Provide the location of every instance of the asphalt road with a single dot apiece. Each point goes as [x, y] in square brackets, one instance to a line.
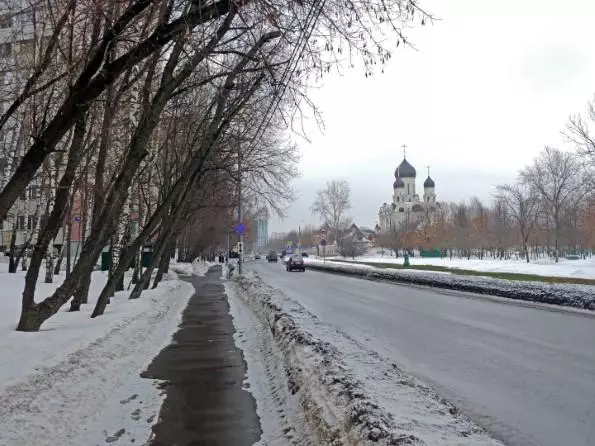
[526, 374]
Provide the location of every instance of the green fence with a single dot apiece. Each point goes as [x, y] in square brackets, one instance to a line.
[431, 253]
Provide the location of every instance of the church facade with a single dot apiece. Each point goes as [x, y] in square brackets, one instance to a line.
[407, 205]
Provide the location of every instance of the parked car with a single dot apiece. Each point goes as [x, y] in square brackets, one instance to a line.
[257, 257]
[304, 254]
[272, 256]
[295, 262]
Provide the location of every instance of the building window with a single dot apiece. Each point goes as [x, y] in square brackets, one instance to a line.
[27, 51]
[5, 21]
[5, 49]
[21, 222]
[31, 220]
[408, 191]
[23, 197]
[33, 192]
[28, 17]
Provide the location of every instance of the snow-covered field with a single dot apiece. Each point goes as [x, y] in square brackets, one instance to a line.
[584, 269]
[77, 381]
[570, 295]
[346, 393]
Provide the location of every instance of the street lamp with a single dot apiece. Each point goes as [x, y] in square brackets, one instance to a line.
[299, 247]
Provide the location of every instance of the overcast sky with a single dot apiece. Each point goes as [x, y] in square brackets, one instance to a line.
[490, 84]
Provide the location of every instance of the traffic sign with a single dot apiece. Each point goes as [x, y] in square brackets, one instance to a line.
[323, 242]
[77, 218]
[240, 228]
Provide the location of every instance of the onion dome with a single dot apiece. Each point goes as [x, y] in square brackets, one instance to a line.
[429, 182]
[405, 170]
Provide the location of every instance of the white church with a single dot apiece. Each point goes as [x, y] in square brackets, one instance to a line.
[407, 206]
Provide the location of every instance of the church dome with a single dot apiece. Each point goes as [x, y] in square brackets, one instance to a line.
[429, 182]
[398, 183]
[405, 170]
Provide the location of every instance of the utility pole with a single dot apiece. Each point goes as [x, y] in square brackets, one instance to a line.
[240, 251]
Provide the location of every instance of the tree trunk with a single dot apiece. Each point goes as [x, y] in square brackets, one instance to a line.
[29, 310]
[81, 293]
[163, 267]
[144, 281]
[60, 258]
[119, 242]
[69, 237]
[49, 265]
[12, 264]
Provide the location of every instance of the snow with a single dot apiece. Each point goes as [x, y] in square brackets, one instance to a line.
[78, 380]
[276, 407]
[582, 268]
[347, 393]
[570, 295]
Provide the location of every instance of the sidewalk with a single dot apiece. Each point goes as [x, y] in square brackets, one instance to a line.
[205, 403]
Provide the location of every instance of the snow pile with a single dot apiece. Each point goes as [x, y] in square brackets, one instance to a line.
[350, 395]
[196, 268]
[281, 418]
[578, 296]
[78, 381]
[581, 268]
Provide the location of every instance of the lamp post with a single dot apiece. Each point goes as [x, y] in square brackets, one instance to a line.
[241, 244]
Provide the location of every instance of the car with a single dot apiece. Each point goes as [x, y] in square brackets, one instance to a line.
[272, 256]
[257, 257]
[295, 262]
[304, 254]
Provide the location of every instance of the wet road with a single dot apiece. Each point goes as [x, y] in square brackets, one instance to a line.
[526, 374]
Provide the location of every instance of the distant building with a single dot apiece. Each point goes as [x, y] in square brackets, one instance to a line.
[261, 226]
[360, 236]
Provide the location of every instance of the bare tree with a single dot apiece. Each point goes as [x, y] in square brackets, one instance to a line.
[579, 132]
[461, 228]
[331, 204]
[560, 181]
[480, 224]
[502, 225]
[522, 202]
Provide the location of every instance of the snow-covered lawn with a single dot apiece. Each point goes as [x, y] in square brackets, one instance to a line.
[346, 393]
[584, 269]
[78, 380]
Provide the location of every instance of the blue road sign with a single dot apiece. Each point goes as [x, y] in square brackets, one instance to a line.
[240, 228]
[77, 218]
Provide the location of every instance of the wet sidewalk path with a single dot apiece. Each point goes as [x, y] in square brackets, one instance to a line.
[205, 403]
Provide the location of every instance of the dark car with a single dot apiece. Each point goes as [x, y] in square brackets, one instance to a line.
[304, 254]
[257, 257]
[295, 262]
[272, 256]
